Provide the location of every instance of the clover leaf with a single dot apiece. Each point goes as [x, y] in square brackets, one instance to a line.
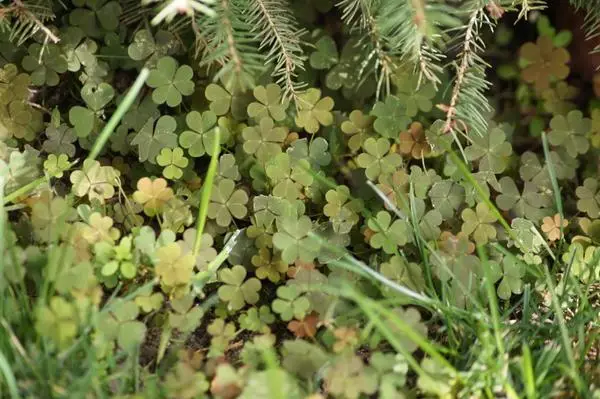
[341, 209]
[170, 82]
[446, 196]
[359, 127]
[269, 265]
[173, 267]
[101, 16]
[349, 378]
[94, 181]
[269, 105]
[288, 180]
[264, 140]
[237, 290]
[45, 64]
[512, 273]
[589, 198]
[403, 272]
[293, 240]
[491, 149]
[256, 319]
[290, 303]
[173, 161]
[149, 48]
[199, 139]
[414, 95]
[378, 160]
[429, 221]
[570, 132]
[222, 100]
[85, 120]
[228, 169]
[57, 165]
[479, 223]
[529, 204]
[152, 194]
[227, 202]
[325, 55]
[154, 136]
[391, 117]
[388, 235]
[313, 110]
[99, 229]
[60, 140]
[58, 321]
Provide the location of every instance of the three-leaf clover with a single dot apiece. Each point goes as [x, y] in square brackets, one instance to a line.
[293, 239]
[60, 140]
[491, 149]
[479, 223]
[174, 267]
[530, 203]
[313, 110]
[414, 95]
[222, 100]
[413, 141]
[589, 198]
[146, 47]
[269, 265]
[391, 117]
[325, 55]
[264, 140]
[170, 82]
[199, 139]
[315, 152]
[236, 290]
[512, 272]
[173, 161]
[152, 194]
[288, 180]
[95, 181]
[377, 160]
[226, 201]
[56, 165]
[446, 196]
[101, 16]
[290, 303]
[570, 132]
[87, 119]
[341, 209]
[359, 127]
[153, 137]
[269, 105]
[388, 235]
[45, 64]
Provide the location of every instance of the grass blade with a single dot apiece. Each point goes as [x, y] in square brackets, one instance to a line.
[9, 377]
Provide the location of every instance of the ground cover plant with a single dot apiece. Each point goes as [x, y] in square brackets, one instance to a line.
[299, 199]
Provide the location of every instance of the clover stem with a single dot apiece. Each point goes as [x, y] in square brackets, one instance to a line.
[206, 191]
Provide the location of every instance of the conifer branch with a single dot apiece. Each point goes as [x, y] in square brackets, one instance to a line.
[468, 103]
[592, 18]
[279, 34]
[30, 18]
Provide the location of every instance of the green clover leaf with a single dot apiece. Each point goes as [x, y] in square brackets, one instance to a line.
[446, 196]
[222, 100]
[101, 16]
[315, 152]
[388, 235]
[58, 321]
[57, 165]
[589, 198]
[86, 120]
[269, 265]
[490, 149]
[378, 160]
[226, 202]
[348, 377]
[570, 132]
[173, 160]
[228, 169]
[293, 240]
[290, 303]
[415, 96]
[264, 140]
[342, 210]
[148, 48]
[170, 82]
[60, 140]
[152, 138]
[359, 127]
[406, 273]
[269, 105]
[314, 110]
[45, 64]
[512, 273]
[237, 291]
[529, 204]
[256, 319]
[479, 223]
[288, 180]
[391, 117]
[173, 267]
[325, 55]
[199, 139]
[94, 181]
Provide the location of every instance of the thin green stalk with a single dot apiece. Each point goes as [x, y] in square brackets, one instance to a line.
[493, 301]
[553, 180]
[566, 342]
[528, 374]
[2, 233]
[10, 198]
[119, 113]
[206, 191]
[9, 377]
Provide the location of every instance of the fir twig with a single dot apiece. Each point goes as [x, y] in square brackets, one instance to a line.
[279, 34]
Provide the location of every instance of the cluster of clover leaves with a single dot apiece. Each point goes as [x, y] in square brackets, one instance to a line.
[291, 175]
